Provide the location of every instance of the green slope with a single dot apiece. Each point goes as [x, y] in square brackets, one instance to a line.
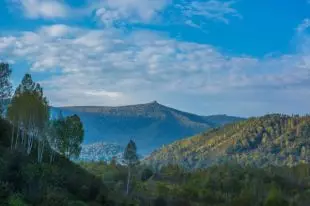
[271, 139]
[24, 182]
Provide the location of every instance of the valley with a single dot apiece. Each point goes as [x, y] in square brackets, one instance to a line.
[150, 125]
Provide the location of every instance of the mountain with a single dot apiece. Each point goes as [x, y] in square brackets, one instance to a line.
[150, 125]
[269, 140]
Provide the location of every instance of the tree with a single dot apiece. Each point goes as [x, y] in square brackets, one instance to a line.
[131, 159]
[275, 198]
[29, 113]
[70, 134]
[53, 137]
[76, 136]
[5, 85]
[146, 174]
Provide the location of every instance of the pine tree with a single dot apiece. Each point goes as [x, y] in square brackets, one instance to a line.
[131, 159]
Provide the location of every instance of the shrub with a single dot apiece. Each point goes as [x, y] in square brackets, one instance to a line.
[16, 200]
[5, 190]
[146, 174]
[55, 198]
[77, 203]
[160, 201]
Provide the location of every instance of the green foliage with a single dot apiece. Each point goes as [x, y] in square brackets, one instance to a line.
[69, 133]
[217, 185]
[76, 203]
[160, 201]
[130, 153]
[272, 139]
[131, 159]
[275, 198]
[146, 174]
[29, 113]
[44, 184]
[16, 200]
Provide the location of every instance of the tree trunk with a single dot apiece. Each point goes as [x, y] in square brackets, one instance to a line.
[17, 135]
[12, 138]
[51, 157]
[128, 180]
[30, 142]
[42, 151]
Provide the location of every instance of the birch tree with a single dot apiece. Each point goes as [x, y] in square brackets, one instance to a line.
[29, 111]
[53, 140]
[5, 85]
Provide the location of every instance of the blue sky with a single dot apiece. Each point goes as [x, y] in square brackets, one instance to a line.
[214, 56]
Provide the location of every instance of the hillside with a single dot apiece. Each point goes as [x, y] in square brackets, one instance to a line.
[151, 125]
[23, 181]
[219, 185]
[271, 139]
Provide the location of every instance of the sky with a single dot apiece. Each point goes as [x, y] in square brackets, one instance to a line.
[235, 57]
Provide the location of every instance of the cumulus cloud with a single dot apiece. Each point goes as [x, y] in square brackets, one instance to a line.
[50, 9]
[112, 12]
[205, 10]
[58, 30]
[43, 8]
[120, 12]
[110, 67]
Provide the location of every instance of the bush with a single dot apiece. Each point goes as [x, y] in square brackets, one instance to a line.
[5, 190]
[55, 198]
[16, 200]
[275, 198]
[146, 174]
[77, 203]
[160, 201]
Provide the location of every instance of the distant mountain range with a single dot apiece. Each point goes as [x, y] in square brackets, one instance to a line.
[150, 125]
[269, 140]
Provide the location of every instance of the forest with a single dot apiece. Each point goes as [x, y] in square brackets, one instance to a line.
[36, 166]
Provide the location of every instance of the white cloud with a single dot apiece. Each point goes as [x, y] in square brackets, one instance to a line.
[303, 26]
[111, 67]
[57, 30]
[6, 42]
[43, 8]
[196, 13]
[104, 93]
[122, 12]
[51, 9]
[112, 12]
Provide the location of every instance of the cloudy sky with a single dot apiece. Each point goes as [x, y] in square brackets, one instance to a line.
[239, 57]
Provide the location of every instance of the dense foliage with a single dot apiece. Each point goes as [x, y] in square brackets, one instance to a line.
[25, 182]
[218, 185]
[272, 139]
[32, 170]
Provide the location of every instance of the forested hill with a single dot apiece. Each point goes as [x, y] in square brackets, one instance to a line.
[271, 139]
[151, 125]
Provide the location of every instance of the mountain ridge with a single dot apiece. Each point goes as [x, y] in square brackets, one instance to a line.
[150, 125]
[273, 139]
